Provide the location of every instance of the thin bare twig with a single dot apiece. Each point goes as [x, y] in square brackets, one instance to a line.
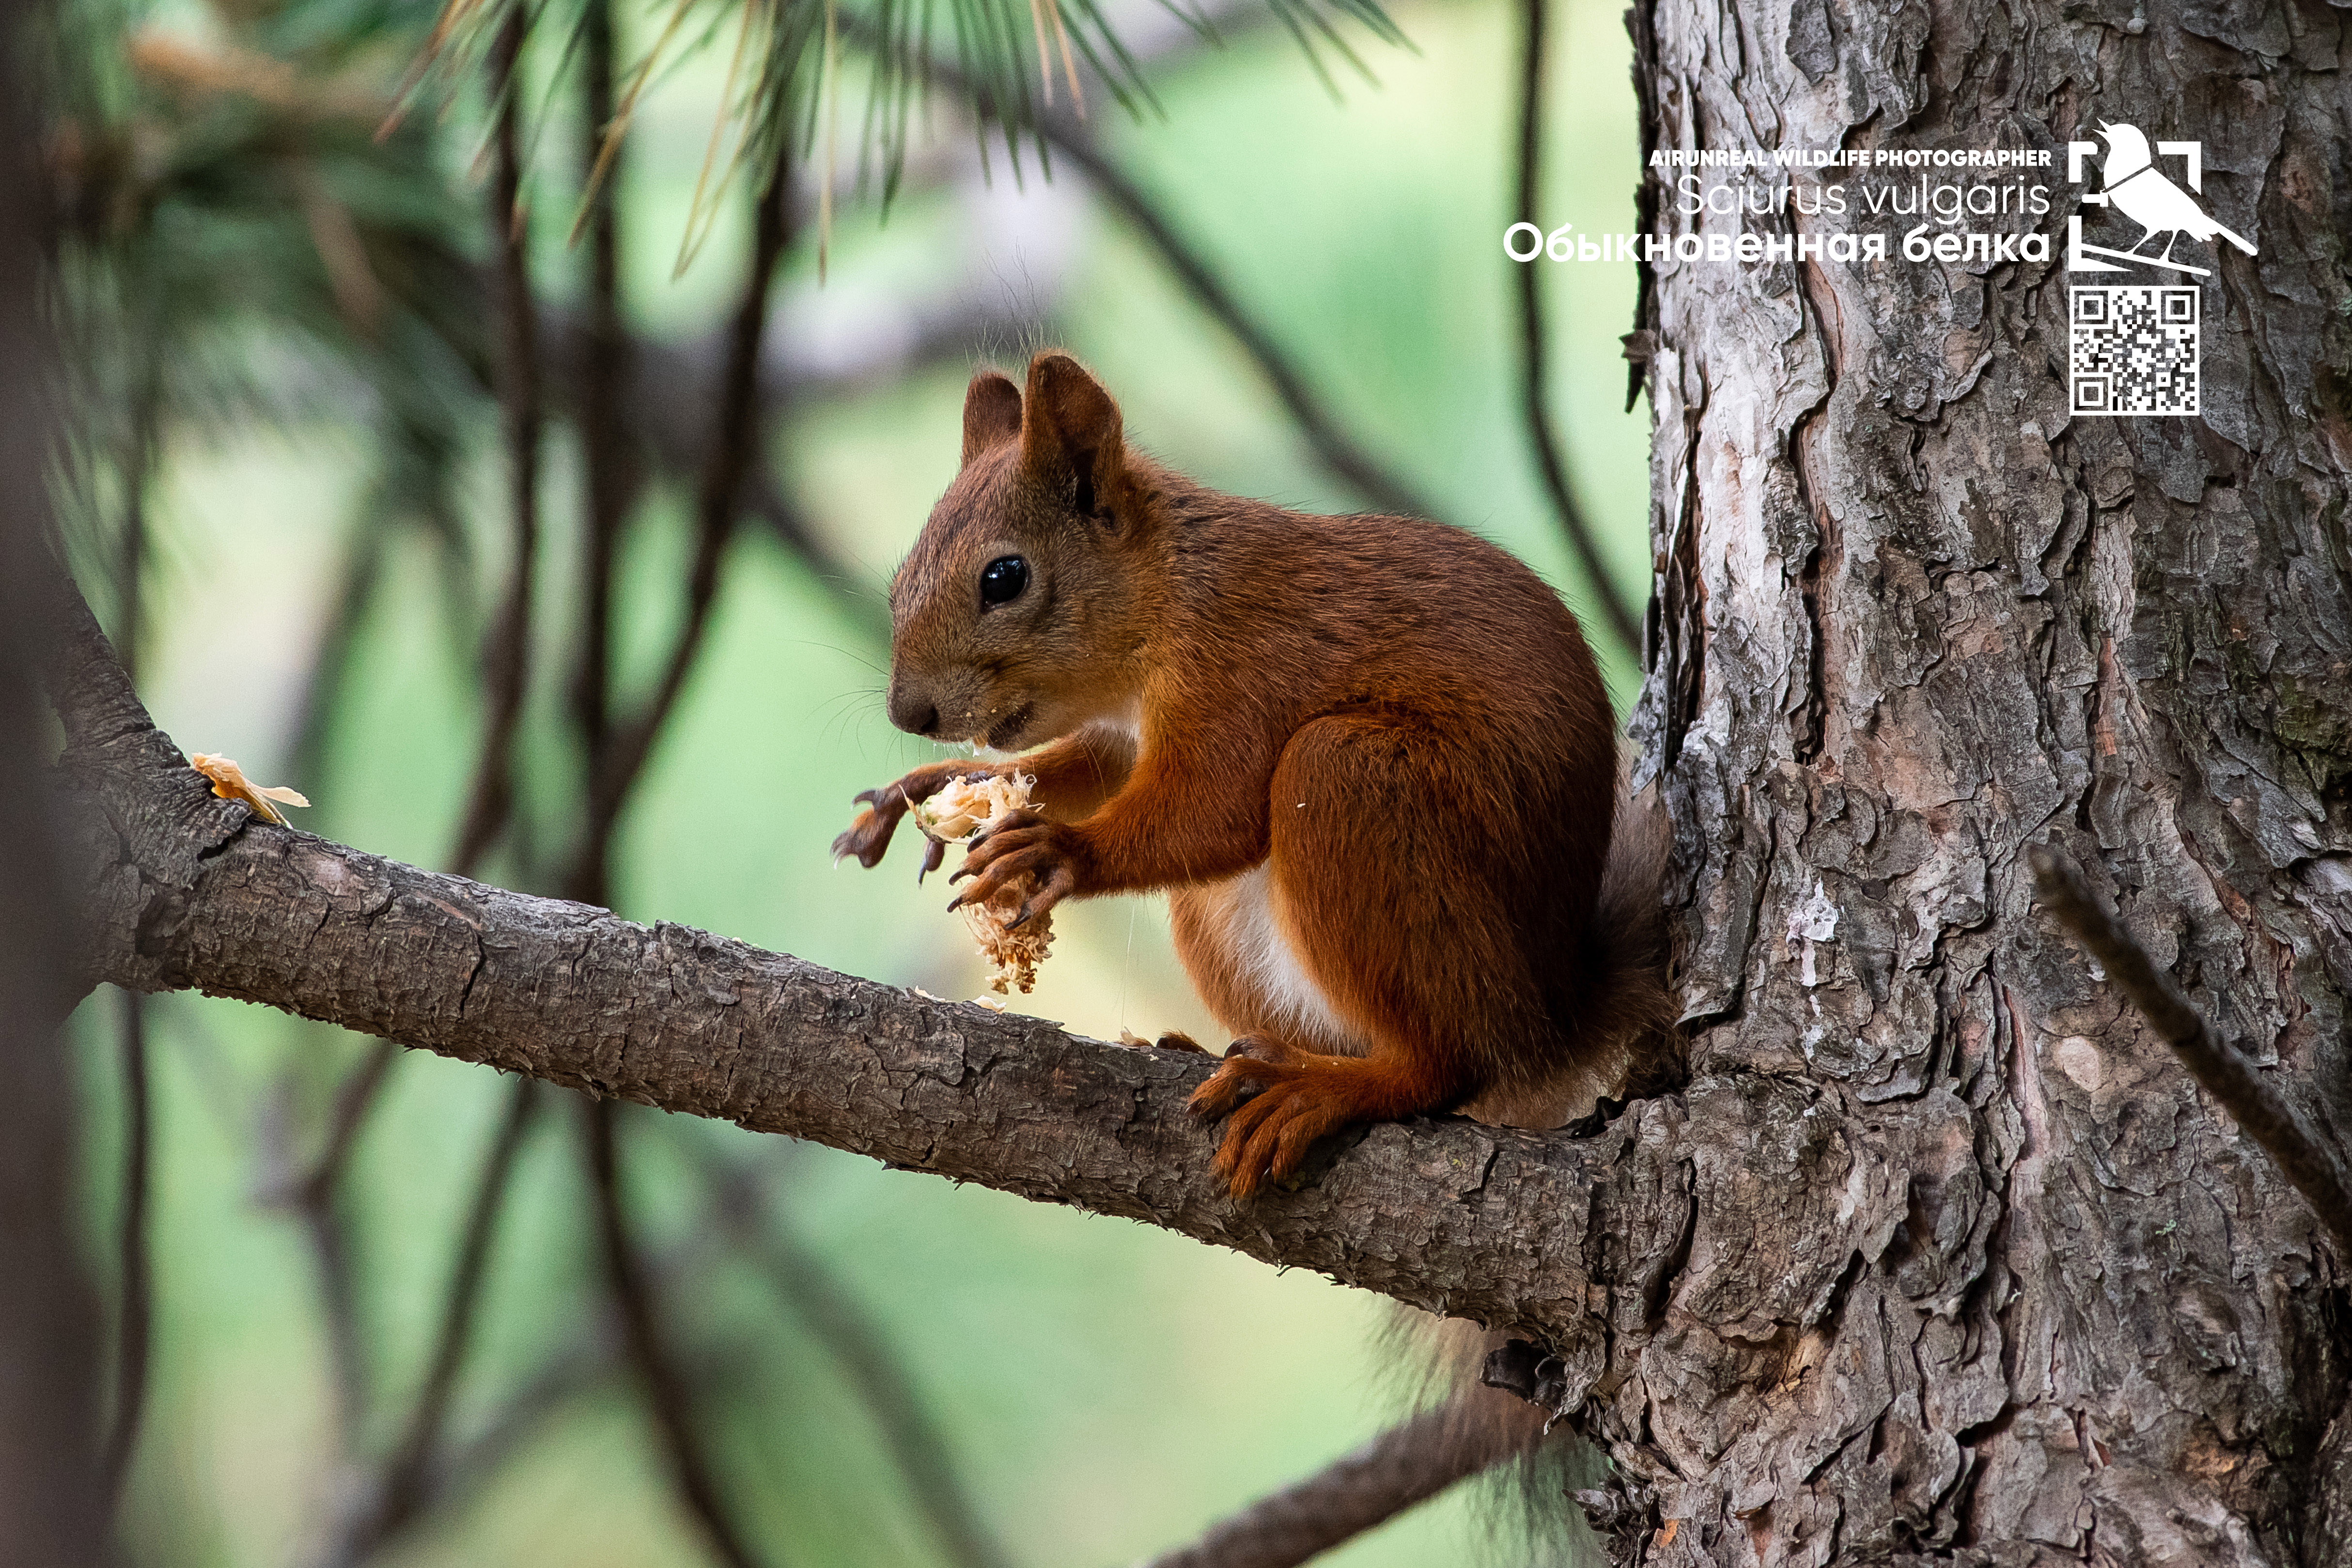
[1405, 1466]
[135, 1276]
[665, 1391]
[735, 446]
[331, 656]
[604, 370]
[866, 1359]
[506, 657]
[1332, 448]
[2301, 1153]
[311, 1191]
[134, 1310]
[1533, 383]
[285, 1182]
[353, 1096]
[465, 1469]
[388, 1506]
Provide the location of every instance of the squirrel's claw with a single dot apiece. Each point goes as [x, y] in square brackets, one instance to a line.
[1274, 1115]
[1022, 843]
[868, 837]
[934, 851]
[1056, 882]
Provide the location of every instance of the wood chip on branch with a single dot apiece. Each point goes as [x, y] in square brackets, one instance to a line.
[230, 783]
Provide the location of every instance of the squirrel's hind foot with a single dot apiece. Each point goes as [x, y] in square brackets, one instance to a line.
[1280, 1101]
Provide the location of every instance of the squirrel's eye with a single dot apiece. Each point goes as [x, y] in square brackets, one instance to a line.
[1002, 579]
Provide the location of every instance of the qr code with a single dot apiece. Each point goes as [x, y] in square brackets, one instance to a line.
[2133, 350]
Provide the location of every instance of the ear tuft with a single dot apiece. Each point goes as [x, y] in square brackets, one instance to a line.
[1070, 433]
[991, 413]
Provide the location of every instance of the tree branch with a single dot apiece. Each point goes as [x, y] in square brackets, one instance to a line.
[1407, 1465]
[2301, 1154]
[1503, 1227]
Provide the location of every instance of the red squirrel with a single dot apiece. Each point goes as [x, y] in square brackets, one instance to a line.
[1369, 759]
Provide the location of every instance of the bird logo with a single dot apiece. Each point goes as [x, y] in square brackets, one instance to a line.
[2131, 183]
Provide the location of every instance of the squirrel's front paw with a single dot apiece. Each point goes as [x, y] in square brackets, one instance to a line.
[869, 835]
[1022, 843]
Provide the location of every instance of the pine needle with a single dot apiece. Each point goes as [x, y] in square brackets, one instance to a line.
[701, 220]
[1044, 59]
[831, 70]
[624, 113]
[1069, 67]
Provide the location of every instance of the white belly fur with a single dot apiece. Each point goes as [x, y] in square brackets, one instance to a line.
[1265, 960]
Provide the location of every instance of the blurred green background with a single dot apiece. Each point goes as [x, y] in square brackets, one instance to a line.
[1105, 1389]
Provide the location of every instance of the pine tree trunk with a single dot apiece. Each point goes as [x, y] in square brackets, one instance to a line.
[1976, 1273]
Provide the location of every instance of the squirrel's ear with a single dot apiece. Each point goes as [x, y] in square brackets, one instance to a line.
[991, 413]
[1070, 432]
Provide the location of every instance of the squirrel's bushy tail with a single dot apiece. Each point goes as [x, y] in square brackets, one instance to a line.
[1626, 1047]
[1635, 1015]
[1620, 1041]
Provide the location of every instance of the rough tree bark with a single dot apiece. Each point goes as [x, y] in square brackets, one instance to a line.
[1978, 1275]
[51, 1508]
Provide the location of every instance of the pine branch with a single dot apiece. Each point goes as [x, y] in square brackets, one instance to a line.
[1332, 446]
[505, 661]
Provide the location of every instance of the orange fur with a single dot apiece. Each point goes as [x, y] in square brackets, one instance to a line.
[1370, 757]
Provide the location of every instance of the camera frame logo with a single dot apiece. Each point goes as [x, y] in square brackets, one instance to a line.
[2136, 347]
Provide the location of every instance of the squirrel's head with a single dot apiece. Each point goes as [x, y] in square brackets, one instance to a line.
[1016, 617]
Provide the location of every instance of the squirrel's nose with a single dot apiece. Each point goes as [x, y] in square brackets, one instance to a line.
[915, 714]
